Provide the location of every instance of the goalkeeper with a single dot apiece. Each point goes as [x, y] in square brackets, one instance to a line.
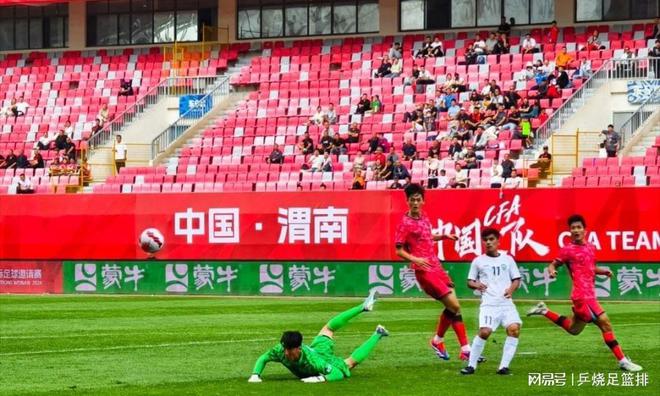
[317, 362]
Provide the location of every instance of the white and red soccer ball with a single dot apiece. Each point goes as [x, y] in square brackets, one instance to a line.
[151, 240]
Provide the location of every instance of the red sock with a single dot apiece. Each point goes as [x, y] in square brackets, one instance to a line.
[459, 328]
[443, 323]
[559, 320]
[611, 342]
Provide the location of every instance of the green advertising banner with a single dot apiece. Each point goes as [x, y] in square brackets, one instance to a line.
[629, 281]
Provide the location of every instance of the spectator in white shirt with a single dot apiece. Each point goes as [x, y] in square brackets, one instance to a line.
[316, 162]
[120, 152]
[443, 180]
[318, 117]
[436, 48]
[479, 46]
[44, 142]
[7, 110]
[496, 175]
[20, 108]
[331, 114]
[24, 185]
[514, 181]
[584, 71]
[104, 114]
[432, 169]
[461, 178]
[68, 129]
[528, 45]
[395, 51]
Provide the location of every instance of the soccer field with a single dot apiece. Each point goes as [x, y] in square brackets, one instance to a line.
[52, 345]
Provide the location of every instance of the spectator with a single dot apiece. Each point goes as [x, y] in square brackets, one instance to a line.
[528, 73]
[396, 69]
[392, 156]
[563, 59]
[374, 143]
[401, 186]
[425, 78]
[120, 153]
[276, 156]
[511, 97]
[331, 114]
[504, 26]
[22, 161]
[318, 118]
[20, 108]
[60, 140]
[358, 162]
[455, 148]
[354, 133]
[8, 110]
[626, 66]
[426, 50]
[502, 46]
[103, 115]
[376, 104]
[432, 169]
[125, 88]
[553, 33]
[471, 159]
[384, 69]
[399, 171]
[460, 180]
[443, 180]
[379, 160]
[338, 145]
[552, 90]
[68, 129]
[562, 79]
[327, 162]
[612, 141]
[323, 187]
[70, 149]
[364, 105]
[534, 111]
[496, 179]
[43, 143]
[37, 160]
[24, 185]
[434, 150]
[306, 145]
[9, 162]
[507, 166]
[528, 45]
[437, 49]
[325, 143]
[593, 42]
[491, 42]
[654, 54]
[299, 187]
[429, 116]
[97, 126]
[584, 71]
[315, 162]
[514, 181]
[409, 150]
[512, 119]
[358, 180]
[395, 51]
[656, 30]
[544, 161]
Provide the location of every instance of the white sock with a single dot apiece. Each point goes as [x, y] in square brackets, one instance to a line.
[624, 360]
[478, 345]
[510, 345]
[437, 339]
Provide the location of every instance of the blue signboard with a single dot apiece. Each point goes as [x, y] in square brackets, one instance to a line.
[639, 91]
[194, 106]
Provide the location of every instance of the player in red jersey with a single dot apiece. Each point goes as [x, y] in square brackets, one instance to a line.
[415, 243]
[580, 259]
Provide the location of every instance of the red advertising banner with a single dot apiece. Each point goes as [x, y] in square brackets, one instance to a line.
[354, 226]
[30, 277]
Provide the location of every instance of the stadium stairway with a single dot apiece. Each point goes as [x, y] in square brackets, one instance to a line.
[639, 145]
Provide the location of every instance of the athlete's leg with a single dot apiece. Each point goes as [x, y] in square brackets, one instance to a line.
[361, 353]
[452, 315]
[510, 344]
[605, 326]
[572, 324]
[342, 319]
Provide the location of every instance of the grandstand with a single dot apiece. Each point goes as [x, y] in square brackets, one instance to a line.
[280, 85]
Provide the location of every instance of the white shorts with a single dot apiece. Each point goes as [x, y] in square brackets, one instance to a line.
[495, 316]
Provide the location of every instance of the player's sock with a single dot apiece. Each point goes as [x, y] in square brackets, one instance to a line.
[478, 345]
[444, 322]
[343, 318]
[365, 349]
[510, 345]
[459, 328]
[559, 320]
[614, 345]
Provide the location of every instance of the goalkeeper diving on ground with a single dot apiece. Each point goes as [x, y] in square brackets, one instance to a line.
[317, 361]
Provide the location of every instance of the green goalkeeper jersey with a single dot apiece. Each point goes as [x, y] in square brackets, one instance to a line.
[315, 359]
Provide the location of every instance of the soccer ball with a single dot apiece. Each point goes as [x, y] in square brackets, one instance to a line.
[151, 240]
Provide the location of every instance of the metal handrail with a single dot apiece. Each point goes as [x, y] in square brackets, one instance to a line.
[635, 121]
[169, 86]
[187, 119]
[611, 69]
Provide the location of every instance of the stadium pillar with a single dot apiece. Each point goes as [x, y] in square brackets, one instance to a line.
[389, 17]
[227, 16]
[77, 25]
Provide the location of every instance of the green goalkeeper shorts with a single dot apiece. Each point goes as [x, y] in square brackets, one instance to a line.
[325, 346]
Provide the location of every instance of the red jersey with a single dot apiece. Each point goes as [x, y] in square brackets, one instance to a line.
[416, 237]
[581, 263]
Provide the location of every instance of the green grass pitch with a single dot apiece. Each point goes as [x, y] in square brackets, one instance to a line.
[91, 345]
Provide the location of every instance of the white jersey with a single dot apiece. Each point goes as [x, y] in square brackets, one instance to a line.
[497, 273]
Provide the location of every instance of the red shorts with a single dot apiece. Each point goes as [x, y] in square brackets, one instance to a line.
[587, 310]
[436, 283]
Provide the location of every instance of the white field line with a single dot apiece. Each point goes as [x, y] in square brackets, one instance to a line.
[194, 343]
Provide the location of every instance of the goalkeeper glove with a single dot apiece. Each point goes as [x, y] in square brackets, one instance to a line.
[314, 380]
[254, 378]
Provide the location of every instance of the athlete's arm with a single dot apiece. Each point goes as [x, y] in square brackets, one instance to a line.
[260, 365]
[440, 237]
[552, 268]
[515, 284]
[401, 252]
[476, 285]
[603, 271]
